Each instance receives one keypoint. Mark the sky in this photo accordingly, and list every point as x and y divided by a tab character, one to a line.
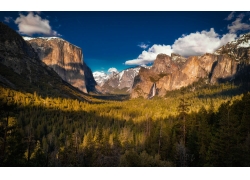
123	39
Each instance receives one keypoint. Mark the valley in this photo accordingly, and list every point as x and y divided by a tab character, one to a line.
178	112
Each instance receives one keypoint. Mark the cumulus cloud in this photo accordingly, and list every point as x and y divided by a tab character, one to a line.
111	70
8	19
149	56
201	42
230	16
143	45
198	43
34	24
237	25
187	45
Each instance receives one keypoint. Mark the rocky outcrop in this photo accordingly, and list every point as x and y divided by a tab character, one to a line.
90	82
13	49
22	70
100	77
121	82
178	58
65	58
170	73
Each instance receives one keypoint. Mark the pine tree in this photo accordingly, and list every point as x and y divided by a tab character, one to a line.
183	109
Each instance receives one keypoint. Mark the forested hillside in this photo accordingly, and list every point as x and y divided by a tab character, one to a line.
196	126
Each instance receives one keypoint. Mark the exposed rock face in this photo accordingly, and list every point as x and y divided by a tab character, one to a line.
13	48
66	60
100	78
178	58
124	80
237	50
21	68
170	73
121	82
90	82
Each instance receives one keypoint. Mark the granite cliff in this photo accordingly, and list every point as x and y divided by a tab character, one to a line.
117	82
67	61
22	70
173	72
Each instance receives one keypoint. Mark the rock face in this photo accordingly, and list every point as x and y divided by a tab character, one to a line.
90	82
13	48
101	78
66	60
21	68
170	73
120	82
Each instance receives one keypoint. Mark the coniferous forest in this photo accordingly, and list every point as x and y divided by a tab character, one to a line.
45	121
208	126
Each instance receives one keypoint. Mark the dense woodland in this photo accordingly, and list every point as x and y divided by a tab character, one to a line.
200	125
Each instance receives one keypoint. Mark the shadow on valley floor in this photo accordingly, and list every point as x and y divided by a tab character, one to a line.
56	135
234	91
112	97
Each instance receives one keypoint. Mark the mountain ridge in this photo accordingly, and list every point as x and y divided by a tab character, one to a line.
21	69
120	82
224	64
66	59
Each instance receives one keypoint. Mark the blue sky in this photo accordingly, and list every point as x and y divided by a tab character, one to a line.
122	39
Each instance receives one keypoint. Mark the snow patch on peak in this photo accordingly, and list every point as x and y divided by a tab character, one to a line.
98	73
120	80
28	38
46	38
145	66
120	75
244	44
113	70
100	77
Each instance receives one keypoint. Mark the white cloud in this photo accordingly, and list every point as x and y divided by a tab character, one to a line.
238	25
143	45
227	38
34	24
8	19
149	56
230	16
200	42
196	43
110	70
187	45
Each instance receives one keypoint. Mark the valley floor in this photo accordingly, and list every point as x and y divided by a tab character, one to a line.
197	126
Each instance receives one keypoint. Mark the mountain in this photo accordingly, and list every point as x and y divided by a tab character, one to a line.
100	77
229	62
66	60
22	70
117	82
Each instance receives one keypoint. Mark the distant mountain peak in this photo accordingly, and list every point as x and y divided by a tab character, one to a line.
100	77
118	82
